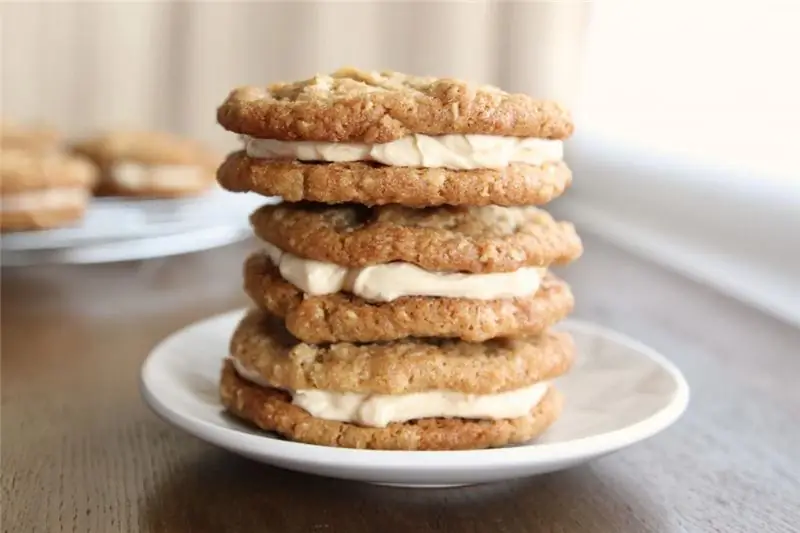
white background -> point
(689, 138)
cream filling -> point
(53, 198)
(461, 152)
(384, 283)
(138, 176)
(380, 410)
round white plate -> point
(619, 392)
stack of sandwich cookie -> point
(41, 187)
(403, 298)
(149, 164)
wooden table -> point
(81, 452)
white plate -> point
(619, 392)
(131, 249)
(117, 219)
(125, 229)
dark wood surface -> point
(81, 452)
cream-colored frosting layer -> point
(460, 152)
(380, 410)
(54, 198)
(135, 176)
(384, 283)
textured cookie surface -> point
(272, 410)
(344, 317)
(377, 107)
(262, 345)
(24, 170)
(370, 184)
(146, 148)
(478, 239)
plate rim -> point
(269, 447)
(134, 249)
(81, 234)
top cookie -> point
(378, 107)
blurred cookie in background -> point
(28, 137)
(150, 164)
(42, 189)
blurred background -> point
(169, 64)
(686, 193)
(687, 112)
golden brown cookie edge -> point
(261, 345)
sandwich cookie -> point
(392, 138)
(391, 307)
(272, 409)
(408, 394)
(42, 189)
(150, 164)
(439, 239)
